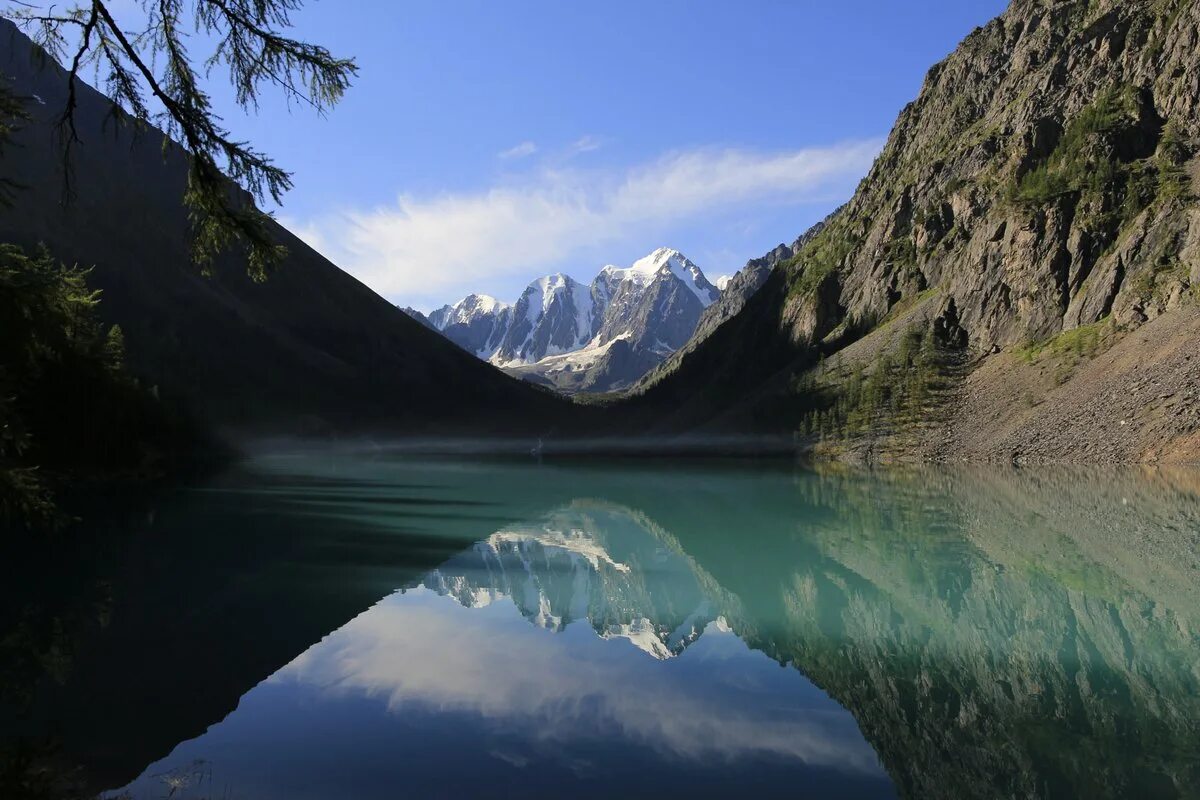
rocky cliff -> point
(735, 292)
(1036, 201)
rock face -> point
(1040, 178)
(477, 323)
(419, 317)
(594, 338)
(555, 314)
(1044, 180)
(737, 289)
(748, 280)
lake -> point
(375, 625)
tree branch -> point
(254, 52)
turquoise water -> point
(377, 626)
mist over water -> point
(546, 445)
(370, 623)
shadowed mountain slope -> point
(311, 350)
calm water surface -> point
(373, 626)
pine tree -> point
(67, 406)
(152, 78)
(114, 348)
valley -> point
(947, 238)
(905, 507)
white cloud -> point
(585, 144)
(521, 150)
(430, 249)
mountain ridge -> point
(1033, 208)
(596, 337)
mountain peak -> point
(661, 254)
(644, 270)
(666, 260)
(651, 264)
(551, 282)
(482, 302)
(652, 305)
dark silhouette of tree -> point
(154, 79)
(12, 114)
(68, 407)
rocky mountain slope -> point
(1036, 202)
(594, 338)
(735, 292)
(418, 316)
(477, 323)
(310, 350)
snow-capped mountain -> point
(555, 314)
(653, 300)
(736, 291)
(599, 337)
(477, 323)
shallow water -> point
(377, 626)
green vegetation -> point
(905, 304)
(69, 411)
(823, 255)
(12, 115)
(896, 391)
(1073, 166)
(1166, 14)
(1069, 349)
(1085, 341)
(68, 408)
(1163, 269)
(1173, 180)
(901, 250)
(1112, 192)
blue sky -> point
(485, 143)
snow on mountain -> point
(646, 270)
(477, 323)
(467, 310)
(687, 272)
(595, 337)
(576, 360)
(722, 281)
(554, 315)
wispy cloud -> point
(521, 150)
(585, 144)
(429, 249)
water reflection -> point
(590, 562)
(542, 653)
(711, 629)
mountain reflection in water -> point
(706, 630)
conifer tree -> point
(154, 78)
(12, 115)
